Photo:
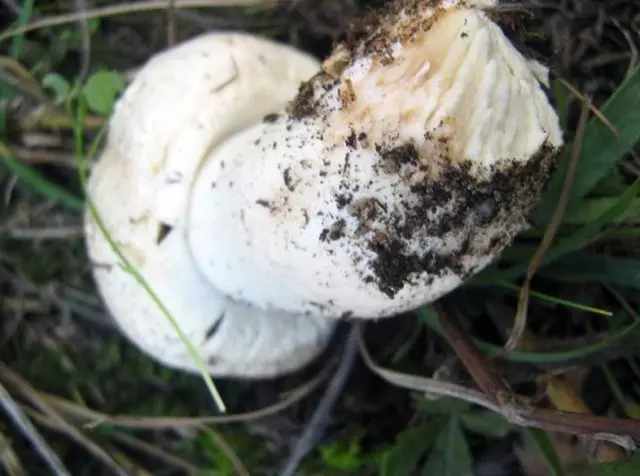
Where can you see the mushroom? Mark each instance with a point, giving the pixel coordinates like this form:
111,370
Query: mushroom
264,195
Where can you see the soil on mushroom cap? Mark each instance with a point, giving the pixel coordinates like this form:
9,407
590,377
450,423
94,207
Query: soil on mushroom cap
480,215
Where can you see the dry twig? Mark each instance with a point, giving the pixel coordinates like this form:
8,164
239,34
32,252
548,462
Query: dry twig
319,419
62,425
622,432
127,8
9,459
91,418
171,22
520,322
13,411
81,7
228,451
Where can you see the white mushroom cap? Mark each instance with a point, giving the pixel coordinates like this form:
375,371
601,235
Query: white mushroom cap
403,166
181,103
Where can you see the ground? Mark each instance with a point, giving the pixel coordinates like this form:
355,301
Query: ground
66,369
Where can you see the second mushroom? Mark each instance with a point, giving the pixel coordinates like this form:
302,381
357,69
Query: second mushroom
264,195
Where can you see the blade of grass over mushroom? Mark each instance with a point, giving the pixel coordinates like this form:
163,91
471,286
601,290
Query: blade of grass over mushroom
125,263
602,147
430,319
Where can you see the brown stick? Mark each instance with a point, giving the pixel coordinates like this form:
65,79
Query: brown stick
520,321
487,379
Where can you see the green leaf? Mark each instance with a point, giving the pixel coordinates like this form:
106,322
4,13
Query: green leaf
93,24
442,406
622,234
410,446
548,452
343,455
217,459
486,423
601,148
589,211
630,467
101,91
633,411
612,184
585,266
451,455
561,101
58,84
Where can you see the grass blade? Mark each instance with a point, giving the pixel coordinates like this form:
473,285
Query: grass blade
23,19
548,452
601,148
125,263
588,267
37,182
409,447
590,210
427,316
556,300
16,46
451,455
